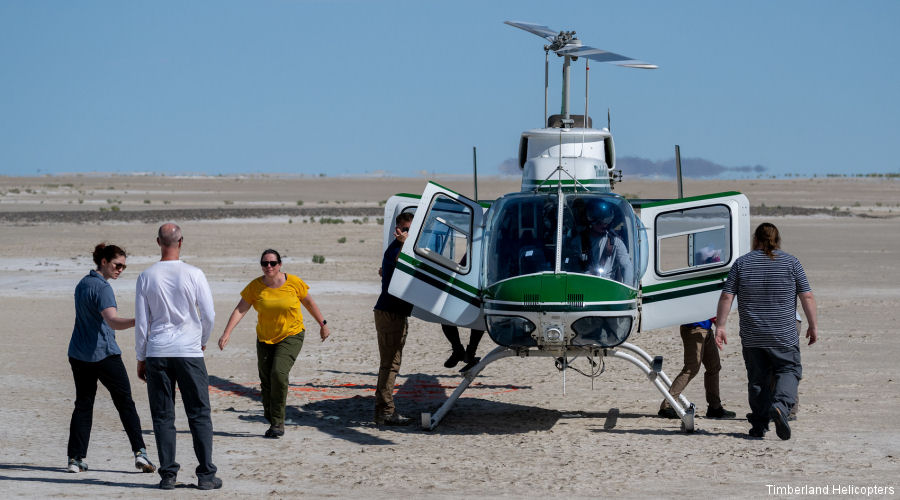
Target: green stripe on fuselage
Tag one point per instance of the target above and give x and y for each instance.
(550, 287)
(441, 275)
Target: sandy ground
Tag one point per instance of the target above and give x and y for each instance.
(513, 434)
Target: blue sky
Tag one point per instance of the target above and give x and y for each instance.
(355, 87)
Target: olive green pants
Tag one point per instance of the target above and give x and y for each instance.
(274, 362)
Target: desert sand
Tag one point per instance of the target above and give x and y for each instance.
(514, 433)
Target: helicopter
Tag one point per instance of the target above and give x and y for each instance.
(566, 267)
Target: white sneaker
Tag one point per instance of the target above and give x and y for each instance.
(77, 465)
(142, 461)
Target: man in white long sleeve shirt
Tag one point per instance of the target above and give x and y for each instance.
(173, 320)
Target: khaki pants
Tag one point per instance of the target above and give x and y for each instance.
(699, 347)
(391, 330)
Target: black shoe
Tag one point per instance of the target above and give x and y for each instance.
(667, 413)
(167, 483)
(212, 483)
(392, 419)
(456, 356)
(782, 428)
(719, 412)
(470, 363)
(757, 432)
(275, 431)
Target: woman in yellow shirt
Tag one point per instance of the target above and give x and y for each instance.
(277, 297)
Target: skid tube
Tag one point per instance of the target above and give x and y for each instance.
(652, 368)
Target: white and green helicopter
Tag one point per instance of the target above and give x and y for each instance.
(567, 268)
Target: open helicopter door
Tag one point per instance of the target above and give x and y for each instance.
(439, 268)
(692, 243)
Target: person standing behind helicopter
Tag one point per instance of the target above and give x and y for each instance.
(607, 256)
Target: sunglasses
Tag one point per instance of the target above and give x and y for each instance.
(404, 230)
(120, 266)
(269, 263)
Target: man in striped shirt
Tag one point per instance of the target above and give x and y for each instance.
(767, 283)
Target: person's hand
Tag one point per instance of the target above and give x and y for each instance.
(223, 341)
(142, 370)
(379, 272)
(812, 334)
(324, 332)
(400, 235)
(721, 338)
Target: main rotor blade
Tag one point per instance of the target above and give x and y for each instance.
(604, 56)
(537, 29)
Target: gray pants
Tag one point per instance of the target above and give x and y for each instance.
(190, 376)
(765, 364)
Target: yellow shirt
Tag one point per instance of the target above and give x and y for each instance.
(278, 309)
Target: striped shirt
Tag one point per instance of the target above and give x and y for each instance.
(767, 290)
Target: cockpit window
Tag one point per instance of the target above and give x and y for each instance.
(522, 236)
(599, 237)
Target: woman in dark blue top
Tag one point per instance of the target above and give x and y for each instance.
(94, 355)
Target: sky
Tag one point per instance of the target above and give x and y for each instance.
(406, 88)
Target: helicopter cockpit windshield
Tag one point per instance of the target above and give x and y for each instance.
(598, 237)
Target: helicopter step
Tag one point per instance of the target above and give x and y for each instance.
(652, 367)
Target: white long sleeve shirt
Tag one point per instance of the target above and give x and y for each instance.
(173, 311)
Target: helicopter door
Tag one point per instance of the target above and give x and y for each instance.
(439, 267)
(692, 243)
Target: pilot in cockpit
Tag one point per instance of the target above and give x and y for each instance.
(608, 257)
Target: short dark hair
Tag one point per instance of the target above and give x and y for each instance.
(270, 251)
(108, 252)
(404, 217)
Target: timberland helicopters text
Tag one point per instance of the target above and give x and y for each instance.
(834, 489)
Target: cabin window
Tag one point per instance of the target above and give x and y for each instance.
(446, 235)
(692, 239)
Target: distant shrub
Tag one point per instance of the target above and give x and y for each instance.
(103, 209)
(167, 202)
(380, 221)
(290, 221)
(342, 239)
(299, 203)
(114, 208)
(330, 220)
(146, 202)
(318, 259)
(229, 202)
(14, 191)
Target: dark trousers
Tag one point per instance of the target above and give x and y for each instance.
(699, 347)
(274, 362)
(111, 373)
(391, 329)
(189, 374)
(765, 364)
(451, 332)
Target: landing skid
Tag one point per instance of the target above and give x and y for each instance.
(652, 367)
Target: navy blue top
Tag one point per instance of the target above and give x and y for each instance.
(92, 339)
(702, 324)
(386, 301)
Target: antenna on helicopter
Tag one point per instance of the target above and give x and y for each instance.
(565, 44)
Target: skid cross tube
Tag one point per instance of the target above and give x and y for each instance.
(683, 407)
